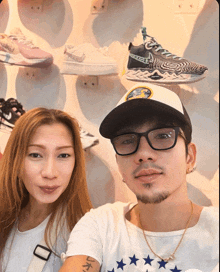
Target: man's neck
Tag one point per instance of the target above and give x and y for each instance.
(165, 216)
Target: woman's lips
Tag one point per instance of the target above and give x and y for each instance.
(49, 190)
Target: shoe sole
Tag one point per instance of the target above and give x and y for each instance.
(20, 60)
(6, 124)
(144, 75)
(89, 144)
(73, 68)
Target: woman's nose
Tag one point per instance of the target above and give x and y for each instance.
(49, 169)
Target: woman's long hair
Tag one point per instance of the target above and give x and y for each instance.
(74, 201)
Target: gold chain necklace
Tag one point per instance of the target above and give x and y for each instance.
(172, 256)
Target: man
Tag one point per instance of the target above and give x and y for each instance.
(164, 231)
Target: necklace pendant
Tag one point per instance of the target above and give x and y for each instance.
(172, 257)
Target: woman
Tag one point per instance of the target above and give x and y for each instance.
(43, 190)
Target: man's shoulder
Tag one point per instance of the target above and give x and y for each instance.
(209, 219)
(117, 209)
(211, 212)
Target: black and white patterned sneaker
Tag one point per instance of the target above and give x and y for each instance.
(150, 62)
(10, 111)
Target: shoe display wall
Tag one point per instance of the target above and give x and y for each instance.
(4, 15)
(3, 80)
(52, 20)
(99, 6)
(81, 56)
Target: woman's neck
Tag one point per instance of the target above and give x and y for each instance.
(32, 215)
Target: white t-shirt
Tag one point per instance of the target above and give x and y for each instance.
(17, 257)
(118, 245)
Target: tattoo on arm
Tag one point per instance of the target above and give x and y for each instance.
(88, 265)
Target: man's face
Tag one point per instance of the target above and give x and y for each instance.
(154, 175)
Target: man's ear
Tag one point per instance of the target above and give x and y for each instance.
(191, 157)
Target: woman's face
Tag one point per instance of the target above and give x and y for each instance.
(49, 163)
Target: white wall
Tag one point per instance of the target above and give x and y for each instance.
(191, 35)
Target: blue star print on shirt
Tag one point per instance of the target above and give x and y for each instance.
(162, 264)
(148, 260)
(121, 264)
(134, 260)
(175, 269)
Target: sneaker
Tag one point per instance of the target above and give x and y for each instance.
(16, 49)
(85, 59)
(10, 111)
(151, 63)
(88, 140)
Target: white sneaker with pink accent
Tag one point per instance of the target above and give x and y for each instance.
(85, 59)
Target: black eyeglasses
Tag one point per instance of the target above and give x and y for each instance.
(158, 139)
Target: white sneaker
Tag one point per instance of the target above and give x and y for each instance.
(88, 140)
(85, 59)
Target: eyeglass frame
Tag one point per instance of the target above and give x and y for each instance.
(178, 131)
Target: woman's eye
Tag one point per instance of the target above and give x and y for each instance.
(64, 156)
(34, 155)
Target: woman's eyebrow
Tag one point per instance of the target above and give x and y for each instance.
(44, 147)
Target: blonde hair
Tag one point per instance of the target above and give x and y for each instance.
(73, 203)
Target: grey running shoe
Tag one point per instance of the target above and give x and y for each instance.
(150, 62)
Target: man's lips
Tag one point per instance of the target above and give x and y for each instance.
(148, 175)
(147, 172)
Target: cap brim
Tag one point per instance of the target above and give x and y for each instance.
(133, 110)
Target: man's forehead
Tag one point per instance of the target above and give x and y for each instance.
(137, 126)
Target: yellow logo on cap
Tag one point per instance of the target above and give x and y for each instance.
(139, 92)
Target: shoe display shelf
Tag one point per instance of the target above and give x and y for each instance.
(4, 15)
(99, 6)
(87, 84)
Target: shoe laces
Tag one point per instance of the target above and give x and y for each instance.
(12, 103)
(16, 34)
(7, 44)
(154, 43)
(24, 40)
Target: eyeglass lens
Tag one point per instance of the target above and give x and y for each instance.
(159, 139)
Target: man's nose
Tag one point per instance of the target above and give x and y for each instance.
(145, 152)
